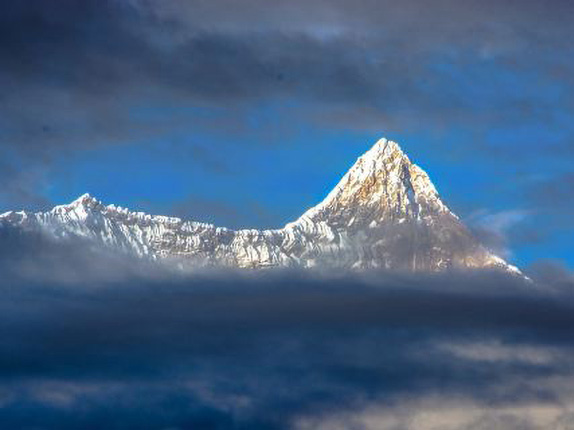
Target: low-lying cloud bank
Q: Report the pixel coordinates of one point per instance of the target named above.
(133, 347)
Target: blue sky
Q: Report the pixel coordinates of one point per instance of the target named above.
(246, 117)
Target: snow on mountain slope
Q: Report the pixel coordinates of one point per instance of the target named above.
(384, 213)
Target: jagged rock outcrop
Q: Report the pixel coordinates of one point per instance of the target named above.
(384, 213)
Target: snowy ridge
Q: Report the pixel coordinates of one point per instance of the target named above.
(384, 213)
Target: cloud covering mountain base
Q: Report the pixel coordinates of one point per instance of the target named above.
(143, 349)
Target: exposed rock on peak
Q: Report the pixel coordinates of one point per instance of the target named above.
(85, 199)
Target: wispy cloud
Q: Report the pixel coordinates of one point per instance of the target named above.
(493, 228)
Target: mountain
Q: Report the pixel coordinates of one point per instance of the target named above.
(384, 213)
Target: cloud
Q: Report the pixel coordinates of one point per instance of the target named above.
(81, 69)
(552, 273)
(493, 228)
(138, 348)
(39, 258)
(447, 414)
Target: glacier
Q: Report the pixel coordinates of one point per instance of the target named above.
(385, 213)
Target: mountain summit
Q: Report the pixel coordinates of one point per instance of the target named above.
(384, 213)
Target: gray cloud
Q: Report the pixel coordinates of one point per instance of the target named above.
(137, 348)
(105, 57)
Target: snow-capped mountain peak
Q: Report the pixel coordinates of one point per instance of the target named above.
(384, 183)
(85, 200)
(384, 213)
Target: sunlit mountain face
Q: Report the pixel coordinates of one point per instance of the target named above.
(203, 228)
(385, 213)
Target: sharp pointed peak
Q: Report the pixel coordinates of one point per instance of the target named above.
(85, 199)
(383, 142)
(383, 148)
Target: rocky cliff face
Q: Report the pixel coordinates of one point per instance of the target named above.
(384, 213)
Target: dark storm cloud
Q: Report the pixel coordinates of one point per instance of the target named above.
(143, 349)
(84, 65)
